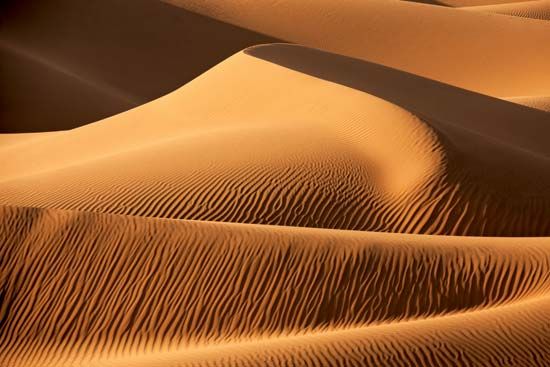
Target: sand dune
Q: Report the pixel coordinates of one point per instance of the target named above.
(77, 62)
(490, 54)
(179, 287)
(538, 102)
(375, 194)
(347, 174)
(440, 341)
(465, 3)
(536, 9)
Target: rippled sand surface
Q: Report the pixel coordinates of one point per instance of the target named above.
(286, 183)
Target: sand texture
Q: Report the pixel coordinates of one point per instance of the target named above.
(482, 52)
(275, 183)
(537, 9)
(82, 288)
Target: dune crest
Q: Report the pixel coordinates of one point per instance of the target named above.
(101, 58)
(254, 282)
(381, 31)
(375, 158)
(538, 102)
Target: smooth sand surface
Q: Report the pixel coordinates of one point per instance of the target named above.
(465, 3)
(375, 194)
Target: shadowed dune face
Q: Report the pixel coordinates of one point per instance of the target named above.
(441, 104)
(28, 80)
(77, 62)
(168, 284)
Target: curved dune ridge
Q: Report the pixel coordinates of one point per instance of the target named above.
(376, 193)
(103, 57)
(183, 292)
(375, 158)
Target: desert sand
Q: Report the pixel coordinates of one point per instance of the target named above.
(539, 9)
(483, 52)
(287, 183)
(103, 57)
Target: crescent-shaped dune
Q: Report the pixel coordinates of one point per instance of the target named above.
(348, 174)
(375, 193)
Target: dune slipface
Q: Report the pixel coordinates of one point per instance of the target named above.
(101, 57)
(368, 195)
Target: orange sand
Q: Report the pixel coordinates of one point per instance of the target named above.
(377, 193)
(537, 9)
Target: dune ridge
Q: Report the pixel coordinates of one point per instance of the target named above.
(437, 341)
(101, 58)
(268, 281)
(381, 31)
(454, 182)
(538, 102)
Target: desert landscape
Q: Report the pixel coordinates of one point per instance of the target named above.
(275, 183)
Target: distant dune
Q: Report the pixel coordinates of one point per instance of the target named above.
(538, 102)
(197, 192)
(536, 9)
(494, 55)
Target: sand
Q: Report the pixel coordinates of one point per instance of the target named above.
(367, 195)
(487, 53)
(539, 9)
(104, 57)
(537, 102)
(376, 158)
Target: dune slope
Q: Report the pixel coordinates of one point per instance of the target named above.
(537, 9)
(76, 62)
(538, 102)
(179, 288)
(338, 149)
(374, 193)
(486, 53)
